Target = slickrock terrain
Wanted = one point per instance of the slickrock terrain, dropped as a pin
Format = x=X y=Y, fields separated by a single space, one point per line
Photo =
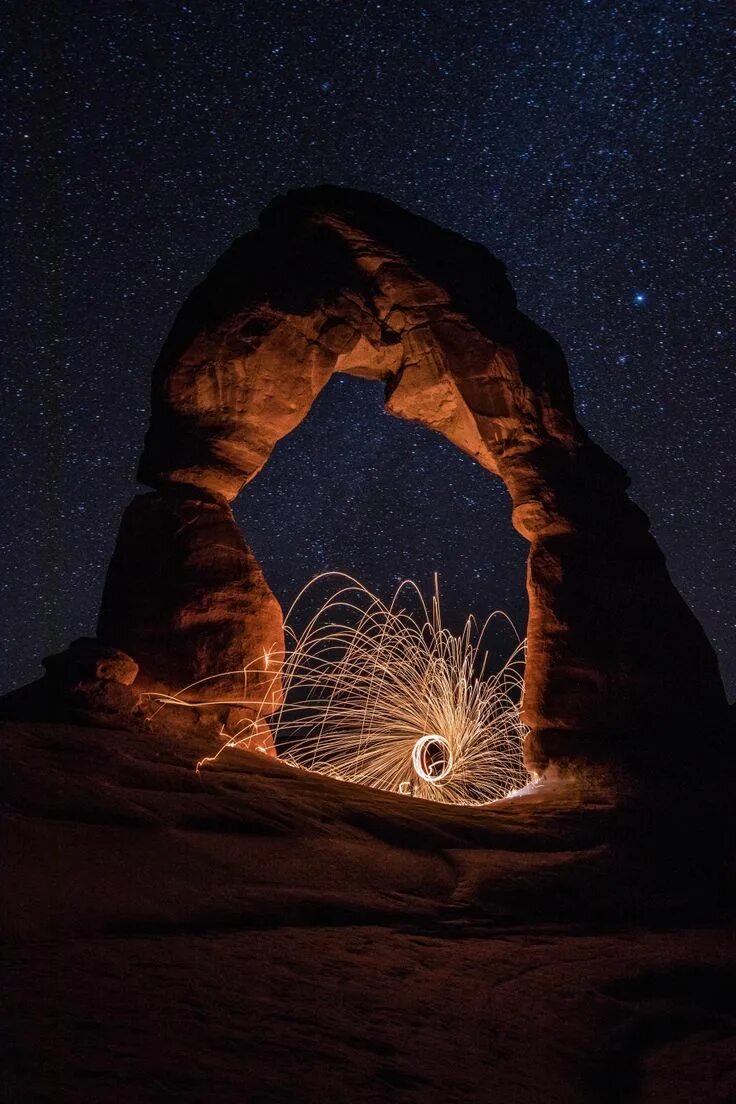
x=258 y=933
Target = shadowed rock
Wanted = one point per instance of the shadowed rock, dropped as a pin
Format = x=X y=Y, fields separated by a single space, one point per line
x=259 y=933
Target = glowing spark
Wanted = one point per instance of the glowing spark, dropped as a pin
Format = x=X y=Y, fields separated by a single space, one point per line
x=212 y=758
x=376 y=695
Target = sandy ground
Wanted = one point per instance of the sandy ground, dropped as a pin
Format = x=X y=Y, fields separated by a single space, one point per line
x=258 y=934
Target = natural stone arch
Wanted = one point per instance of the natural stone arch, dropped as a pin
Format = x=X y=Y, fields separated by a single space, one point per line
x=618 y=669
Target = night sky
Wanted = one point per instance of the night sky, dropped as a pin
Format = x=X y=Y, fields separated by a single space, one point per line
x=588 y=144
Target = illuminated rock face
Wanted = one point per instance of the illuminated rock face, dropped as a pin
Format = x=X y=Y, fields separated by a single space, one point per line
x=618 y=670
x=187 y=597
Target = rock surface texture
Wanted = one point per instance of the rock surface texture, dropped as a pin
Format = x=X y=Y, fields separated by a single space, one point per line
x=174 y=936
x=619 y=672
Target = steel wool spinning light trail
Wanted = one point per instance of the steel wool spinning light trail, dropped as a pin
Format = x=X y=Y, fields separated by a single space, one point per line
x=378 y=695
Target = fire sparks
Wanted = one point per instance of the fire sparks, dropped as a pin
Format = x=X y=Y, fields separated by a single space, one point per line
x=387 y=697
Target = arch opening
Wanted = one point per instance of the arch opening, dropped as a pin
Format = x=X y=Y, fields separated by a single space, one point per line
x=383 y=500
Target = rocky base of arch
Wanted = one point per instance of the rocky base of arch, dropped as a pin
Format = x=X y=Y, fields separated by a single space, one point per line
x=185 y=595
x=185 y=601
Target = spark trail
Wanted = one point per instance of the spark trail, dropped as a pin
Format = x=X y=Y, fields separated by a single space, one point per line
x=387 y=697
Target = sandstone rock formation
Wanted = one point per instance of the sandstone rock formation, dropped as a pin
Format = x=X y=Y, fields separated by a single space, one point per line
x=187 y=597
x=618 y=671
x=259 y=926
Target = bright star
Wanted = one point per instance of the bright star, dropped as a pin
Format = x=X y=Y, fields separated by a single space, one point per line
x=640 y=298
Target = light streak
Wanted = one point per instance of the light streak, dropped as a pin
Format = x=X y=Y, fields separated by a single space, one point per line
x=389 y=698
x=428 y=768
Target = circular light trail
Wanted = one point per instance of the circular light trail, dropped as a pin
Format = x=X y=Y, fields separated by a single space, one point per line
x=431 y=758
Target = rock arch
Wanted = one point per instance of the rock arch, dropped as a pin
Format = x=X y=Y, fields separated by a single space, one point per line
x=619 y=671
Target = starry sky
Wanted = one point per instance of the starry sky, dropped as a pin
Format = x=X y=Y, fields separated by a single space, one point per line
x=586 y=142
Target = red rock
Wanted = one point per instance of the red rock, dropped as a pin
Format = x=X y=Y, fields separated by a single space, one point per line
x=333 y=280
x=87 y=659
x=186 y=596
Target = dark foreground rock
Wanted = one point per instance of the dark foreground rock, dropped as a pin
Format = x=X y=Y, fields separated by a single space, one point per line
x=256 y=933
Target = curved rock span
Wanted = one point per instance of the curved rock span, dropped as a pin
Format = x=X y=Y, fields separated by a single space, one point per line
x=618 y=672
